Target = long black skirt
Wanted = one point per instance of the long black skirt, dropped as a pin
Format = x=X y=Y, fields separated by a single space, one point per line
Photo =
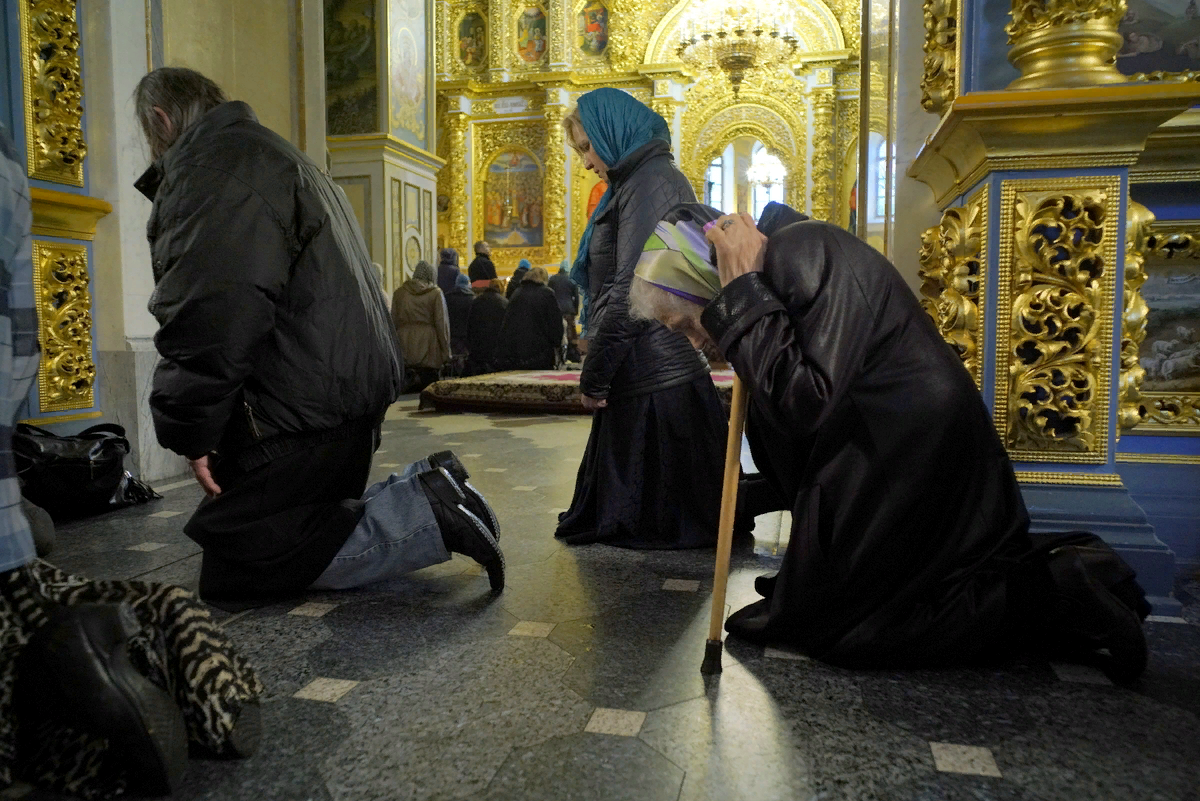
x=651 y=474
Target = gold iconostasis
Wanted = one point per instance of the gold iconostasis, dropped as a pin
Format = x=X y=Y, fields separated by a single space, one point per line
x=509 y=71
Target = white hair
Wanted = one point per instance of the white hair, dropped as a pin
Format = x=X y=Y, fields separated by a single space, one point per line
x=649 y=302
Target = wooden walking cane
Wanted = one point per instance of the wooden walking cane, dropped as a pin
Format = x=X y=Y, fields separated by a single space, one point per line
x=733 y=459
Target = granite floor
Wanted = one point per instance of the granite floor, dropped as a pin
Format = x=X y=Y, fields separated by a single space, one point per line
x=581 y=681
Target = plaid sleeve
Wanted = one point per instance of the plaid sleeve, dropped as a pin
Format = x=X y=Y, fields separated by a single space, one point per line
x=18 y=344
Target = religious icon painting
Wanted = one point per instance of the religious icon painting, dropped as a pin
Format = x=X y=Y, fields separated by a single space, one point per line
x=1160 y=36
x=412 y=252
x=512 y=210
x=472 y=40
x=531 y=34
x=591 y=34
x=406 y=53
x=1170 y=353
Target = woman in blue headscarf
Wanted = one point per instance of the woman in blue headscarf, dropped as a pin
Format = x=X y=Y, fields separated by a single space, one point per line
x=514 y=283
x=651 y=474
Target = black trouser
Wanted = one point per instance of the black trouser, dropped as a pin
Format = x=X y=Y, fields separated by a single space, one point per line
x=274 y=529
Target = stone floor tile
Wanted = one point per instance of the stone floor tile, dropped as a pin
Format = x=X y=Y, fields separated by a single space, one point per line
x=327 y=690
x=779 y=653
x=1084 y=674
x=313 y=609
x=472 y=455
x=681 y=585
x=623 y=722
x=524 y=489
x=174 y=485
x=971 y=759
x=147 y=546
x=1165 y=619
x=388 y=464
x=165 y=515
x=495 y=470
x=531 y=628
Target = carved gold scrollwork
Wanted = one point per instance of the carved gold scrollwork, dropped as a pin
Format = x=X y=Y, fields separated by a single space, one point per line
x=1178 y=411
x=822 y=163
x=1134 y=317
x=1054 y=363
x=954 y=275
x=64 y=308
x=555 y=188
x=1064 y=43
x=53 y=91
x=1167 y=244
x=456 y=143
x=1033 y=16
x=939 y=82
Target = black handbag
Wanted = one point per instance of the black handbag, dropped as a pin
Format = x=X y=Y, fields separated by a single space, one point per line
x=77 y=475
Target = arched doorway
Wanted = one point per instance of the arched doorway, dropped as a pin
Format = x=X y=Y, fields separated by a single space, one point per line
x=745 y=176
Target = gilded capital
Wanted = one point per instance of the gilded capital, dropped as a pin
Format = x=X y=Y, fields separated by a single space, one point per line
x=1065 y=43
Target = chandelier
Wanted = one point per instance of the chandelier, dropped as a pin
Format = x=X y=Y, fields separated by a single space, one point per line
x=735 y=39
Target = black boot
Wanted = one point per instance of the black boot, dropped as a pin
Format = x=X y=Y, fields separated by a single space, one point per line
x=76 y=668
x=1084 y=617
x=462 y=531
x=475 y=501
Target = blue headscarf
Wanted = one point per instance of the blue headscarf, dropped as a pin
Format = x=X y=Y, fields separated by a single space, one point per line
x=525 y=263
x=616 y=124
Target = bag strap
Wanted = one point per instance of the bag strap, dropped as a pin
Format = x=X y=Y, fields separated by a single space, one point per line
x=103 y=428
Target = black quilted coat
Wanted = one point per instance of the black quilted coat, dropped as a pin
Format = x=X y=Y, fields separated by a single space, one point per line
x=272 y=320
x=626 y=356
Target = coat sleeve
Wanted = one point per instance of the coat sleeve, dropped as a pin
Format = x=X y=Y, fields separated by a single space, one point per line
x=227 y=263
x=639 y=213
x=797 y=368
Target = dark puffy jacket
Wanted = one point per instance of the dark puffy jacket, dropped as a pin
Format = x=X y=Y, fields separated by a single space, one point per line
x=272 y=320
x=514 y=283
x=566 y=292
x=458 y=306
x=481 y=269
x=531 y=336
x=627 y=356
x=447 y=276
x=483 y=330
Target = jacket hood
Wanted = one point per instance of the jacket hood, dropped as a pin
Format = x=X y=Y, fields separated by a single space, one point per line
x=415 y=287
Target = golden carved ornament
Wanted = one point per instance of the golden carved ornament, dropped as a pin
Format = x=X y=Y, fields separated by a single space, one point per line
x=847 y=138
x=1065 y=43
x=1077 y=479
x=53 y=91
x=822 y=161
x=554 y=188
x=1167 y=77
x=1171 y=413
x=1163 y=242
x=64 y=308
x=939 y=83
x=455 y=134
x=1054 y=333
x=1134 y=317
x=953 y=279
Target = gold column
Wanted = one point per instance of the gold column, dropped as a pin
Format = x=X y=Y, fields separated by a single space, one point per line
x=458 y=164
x=1065 y=43
x=554 y=214
x=939 y=83
x=822 y=163
x=1134 y=317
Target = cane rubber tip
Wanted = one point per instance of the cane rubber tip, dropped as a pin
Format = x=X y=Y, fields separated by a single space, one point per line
x=712 y=657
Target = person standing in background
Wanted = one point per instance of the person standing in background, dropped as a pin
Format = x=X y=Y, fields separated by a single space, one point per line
x=422 y=326
x=458 y=308
x=531 y=336
x=567 y=295
x=481 y=270
x=483 y=327
x=447 y=270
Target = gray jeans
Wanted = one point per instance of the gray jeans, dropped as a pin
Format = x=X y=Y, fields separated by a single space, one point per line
x=397 y=534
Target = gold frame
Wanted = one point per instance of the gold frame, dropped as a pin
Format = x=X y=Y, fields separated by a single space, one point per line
x=517 y=11
x=488 y=140
x=1097 y=428
x=1170 y=413
x=458 y=18
x=65 y=329
x=53 y=93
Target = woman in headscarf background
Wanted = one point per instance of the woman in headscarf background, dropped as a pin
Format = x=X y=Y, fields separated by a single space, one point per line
x=422 y=326
x=532 y=334
x=458 y=307
x=483 y=327
x=518 y=276
x=651 y=474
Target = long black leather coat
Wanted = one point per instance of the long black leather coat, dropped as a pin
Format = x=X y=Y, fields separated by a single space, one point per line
x=626 y=356
x=905 y=507
x=272 y=320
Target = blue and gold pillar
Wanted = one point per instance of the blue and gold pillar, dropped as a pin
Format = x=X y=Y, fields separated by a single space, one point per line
x=1031 y=274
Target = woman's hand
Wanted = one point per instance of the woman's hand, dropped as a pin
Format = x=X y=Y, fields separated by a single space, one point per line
x=741 y=247
x=592 y=404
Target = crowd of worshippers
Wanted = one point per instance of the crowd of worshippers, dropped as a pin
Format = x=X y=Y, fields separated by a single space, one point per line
x=857 y=410
x=450 y=324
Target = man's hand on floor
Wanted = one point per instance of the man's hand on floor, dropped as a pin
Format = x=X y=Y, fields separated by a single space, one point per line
x=204 y=476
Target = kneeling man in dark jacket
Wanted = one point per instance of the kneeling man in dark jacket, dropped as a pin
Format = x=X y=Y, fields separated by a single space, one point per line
x=910 y=542
x=278 y=364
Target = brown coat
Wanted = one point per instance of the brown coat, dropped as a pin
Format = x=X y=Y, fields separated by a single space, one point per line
x=422 y=325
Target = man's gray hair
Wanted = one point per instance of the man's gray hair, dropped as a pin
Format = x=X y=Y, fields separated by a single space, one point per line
x=183 y=95
x=482 y=247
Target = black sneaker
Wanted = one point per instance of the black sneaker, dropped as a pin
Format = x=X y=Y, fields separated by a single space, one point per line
x=462 y=531
x=78 y=670
x=475 y=501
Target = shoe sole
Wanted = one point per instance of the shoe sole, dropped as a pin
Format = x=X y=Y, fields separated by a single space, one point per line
x=494 y=567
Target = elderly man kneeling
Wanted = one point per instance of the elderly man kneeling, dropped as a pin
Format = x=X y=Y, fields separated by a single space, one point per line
x=910 y=543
